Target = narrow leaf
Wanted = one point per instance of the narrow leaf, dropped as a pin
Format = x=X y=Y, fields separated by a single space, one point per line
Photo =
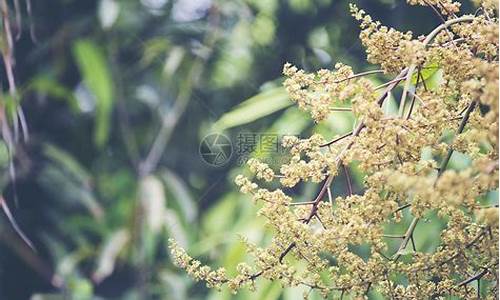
x=256 y=107
x=109 y=253
x=13 y=222
x=96 y=76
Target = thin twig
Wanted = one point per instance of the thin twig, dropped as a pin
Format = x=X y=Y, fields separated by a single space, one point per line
x=168 y=123
x=470 y=244
x=301 y=203
x=417 y=97
x=13 y=223
x=426 y=42
x=340 y=109
x=476 y=276
x=388 y=83
x=408 y=235
x=330 y=198
x=348 y=179
x=392 y=236
x=413 y=244
x=359 y=75
x=442 y=20
x=465 y=118
x=412 y=104
x=336 y=139
x=402 y=207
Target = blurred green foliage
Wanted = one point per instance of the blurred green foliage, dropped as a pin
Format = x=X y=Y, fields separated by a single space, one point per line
x=118 y=96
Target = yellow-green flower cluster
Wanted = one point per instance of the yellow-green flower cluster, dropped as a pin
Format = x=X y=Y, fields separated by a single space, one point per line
x=390 y=48
x=406 y=159
x=213 y=279
x=307 y=161
x=261 y=170
x=246 y=186
x=446 y=7
x=317 y=92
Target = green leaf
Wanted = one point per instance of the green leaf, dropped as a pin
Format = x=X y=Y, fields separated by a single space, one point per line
x=236 y=63
x=4 y=155
x=152 y=202
x=459 y=161
x=96 y=76
x=177 y=285
x=67 y=180
x=44 y=84
x=390 y=107
x=426 y=72
x=108 y=255
x=175 y=229
x=80 y=288
x=263 y=29
x=434 y=81
x=233 y=256
x=295 y=293
x=427 y=234
x=67 y=162
x=256 y=107
x=292 y=122
x=271 y=291
x=181 y=195
x=221 y=215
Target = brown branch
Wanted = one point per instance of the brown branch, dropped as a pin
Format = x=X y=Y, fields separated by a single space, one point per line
x=474 y=277
x=425 y=43
x=318 y=198
x=391 y=236
x=404 y=74
x=474 y=241
x=340 y=109
x=408 y=235
x=336 y=139
x=301 y=203
x=442 y=20
x=411 y=228
x=460 y=129
x=326 y=185
x=388 y=83
x=446 y=9
x=330 y=178
x=402 y=207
